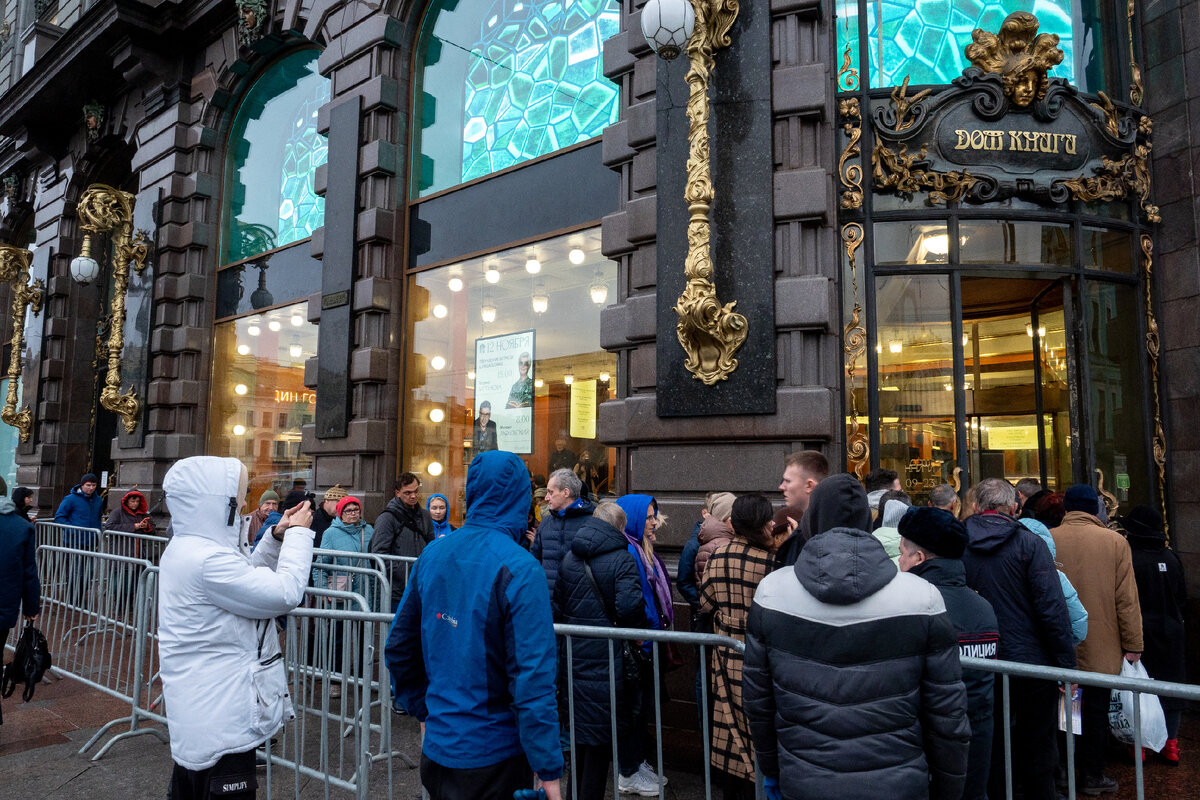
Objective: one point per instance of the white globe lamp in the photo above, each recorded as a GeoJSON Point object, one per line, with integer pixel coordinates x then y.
{"type": "Point", "coordinates": [668, 25]}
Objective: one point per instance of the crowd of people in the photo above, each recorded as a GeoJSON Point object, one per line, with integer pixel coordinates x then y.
{"type": "Point", "coordinates": [853, 602]}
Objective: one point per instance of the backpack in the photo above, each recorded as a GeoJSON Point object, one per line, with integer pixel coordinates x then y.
{"type": "Point", "coordinates": [29, 664]}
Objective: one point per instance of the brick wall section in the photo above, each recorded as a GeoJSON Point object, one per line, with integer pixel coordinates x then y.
{"type": "Point", "coordinates": [1172, 70]}
{"type": "Point", "coordinates": [679, 459]}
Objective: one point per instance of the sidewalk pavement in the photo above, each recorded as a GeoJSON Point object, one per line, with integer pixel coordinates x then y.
{"type": "Point", "coordinates": [40, 741]}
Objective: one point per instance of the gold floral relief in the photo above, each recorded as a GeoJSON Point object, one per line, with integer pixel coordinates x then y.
{"type": "Point", "coordinates": [1152, 350]}
{"type": "Point", "coordinates": [851, 174]}
{"type": "Point", "coordinates": [14, 270]}
{"type": "Point", "coordinates": [858, 447]}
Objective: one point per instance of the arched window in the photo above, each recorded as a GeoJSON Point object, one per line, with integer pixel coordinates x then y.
{"type": "Point", "coordinates": [262, 336]}
{"type": "Point", "coordinates": [504, 83]}
{"type": "Point", "coordinates": [273, 153]}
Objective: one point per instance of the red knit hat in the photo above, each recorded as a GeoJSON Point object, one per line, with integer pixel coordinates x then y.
{"type": "Point", "coordinates": [346, 501]}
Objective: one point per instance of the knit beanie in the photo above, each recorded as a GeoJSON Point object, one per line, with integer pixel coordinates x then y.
{"type": "Point", "coordinates": [936, 530]}
{"type": "Point", "coordinates": [89, 478]}
{"type": "Point", "coordinates": [268, 495]}
{"type": "Point", "coordinates": [335, 492]}
{"type": "Point", "coordinates": [1082, 497]}
{"type": "Point", "coordinates": [348, 500]}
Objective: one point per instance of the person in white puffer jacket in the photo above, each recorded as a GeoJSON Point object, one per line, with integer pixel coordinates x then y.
{"type": "Point", "coordinates": [223, 678]}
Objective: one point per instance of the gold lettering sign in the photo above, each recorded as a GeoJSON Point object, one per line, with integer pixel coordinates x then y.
{"type": "Point", "coordinates": [282, 396]}
{"type": "Point", "coordinates": [1015, 141]}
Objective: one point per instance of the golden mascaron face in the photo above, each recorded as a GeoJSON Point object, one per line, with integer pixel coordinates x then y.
{"type": "Point", "coordinates": [1025, 88]}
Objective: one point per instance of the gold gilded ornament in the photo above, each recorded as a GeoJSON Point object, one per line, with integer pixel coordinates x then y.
{"type": "Point", "coordinates": [858, 448]}
{"type": "Point", "coordinates": [1019, 54]}
{"type": "Point", "coordinates": [14, 269]}
{"type": "Point", "coordinates": [103, 209]}
{"type": "Point", "coordinates": [709, 332]}
{"type": "Point", "coordinates": [851, 174]}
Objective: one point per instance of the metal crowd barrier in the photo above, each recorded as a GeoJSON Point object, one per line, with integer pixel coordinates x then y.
{"type": "Point", "coordinates": [1065, 678]}
{"type": "Point", "coordinates": [99, 616]}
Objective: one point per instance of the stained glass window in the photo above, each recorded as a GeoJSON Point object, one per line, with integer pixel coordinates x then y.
{"type": "Point", "coordinates": [925, 39]}
{"type": "Point", "coordinates": [274, 151]}
{"type": "Point", "coordinates": [506, 83]}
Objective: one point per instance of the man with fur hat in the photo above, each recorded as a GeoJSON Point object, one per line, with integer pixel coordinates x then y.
{"type": "Point", "coordinates": [1098, 563]}
{"type": "Point", "coordinates": [223, 678]}
{"type": "Point", "coordinates": [932, 542]}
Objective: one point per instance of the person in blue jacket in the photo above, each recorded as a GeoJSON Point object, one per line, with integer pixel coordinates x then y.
{"type": "Point", "coordinates": [20, 590]}
{"type": "Point", "coordinates": [81, 509]}
{"type": "Point", "coordinates": [472, 648]}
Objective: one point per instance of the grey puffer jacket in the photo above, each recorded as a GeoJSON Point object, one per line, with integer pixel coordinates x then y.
{"type": "Point", "coordinates": [852, 681]}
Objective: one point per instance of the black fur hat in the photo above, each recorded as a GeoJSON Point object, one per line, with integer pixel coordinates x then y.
{"type": "Point", "coordinates": [936, 530]}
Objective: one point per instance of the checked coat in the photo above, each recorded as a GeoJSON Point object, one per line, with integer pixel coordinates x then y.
{"type": "Point", "coordinates": [733, 573]}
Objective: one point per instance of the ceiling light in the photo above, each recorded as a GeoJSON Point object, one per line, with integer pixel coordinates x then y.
{"type": "Point", "coordinates": [297, 320]}
{"type": "Point", "coordinates": [540, 301]}
{"type": "Point", "coordinates": [949, 387]}
{"type": "Point", "coordinates": [434, 468]}
{"type": "Point", "coordinates": [937, 244]}
{"type": "Point", "coordinates": [599, 289]}
{"type": "Point", "coordinates": [437, 415]}
{"type": "Point", "coordinates": [488, 313]}
{"type": "Point", "coordinates": [437, 362]}
{"type": "Point", "coordinates": [440, 311]}
{"type": "Point", "coordinates": [878, 348]}
{"type": "Point", "coordinates": [239, 430]}
{"type": "Point", "coordinates": [274, 324]}
{"type": "Point", "coordinates": [533, 266]}
{"type": "Point", "coordinates": [295, 351]}
{"type": "Point", "coordinates": [538, 382]}
{"type": "Point", "coordinates": [241, 388]}
{"type": "Point", "coordinates": [253, 330]}
{"type": "Point", "coordinates": [471, 375]}
{"type": "Point", "coordinates": [454, 284]}
{"type": "Point", "coordinates": [895, 346]}
{"type": "Point", "coordinates": [492, 275]}
{"type": "Point", "coordinates": [243, 349]}
{"type": "Point", "coordinates": [576, 256]}
{"type": "Point", "coordinates": [604, 377]}
{"type": "Point", "coordinates": [568, 379]}
{"type": "Point", "coordinates": [966, 340]}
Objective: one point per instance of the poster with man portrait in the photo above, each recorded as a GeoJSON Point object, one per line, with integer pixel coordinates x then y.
{"type": "Point", "coordinates": [504, 390]}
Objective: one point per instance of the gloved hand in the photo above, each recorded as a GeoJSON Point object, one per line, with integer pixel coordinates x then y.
{"type": "Point", "coordinates": [771, 787]}
{"type": "Point", "coordinates": [529, 794]}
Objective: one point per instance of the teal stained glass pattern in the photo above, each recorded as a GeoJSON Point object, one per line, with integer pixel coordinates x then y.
{"type": "Point", "coordinates": [925, 39]}
{"type": "Point", "coordinates": [301, 209]}
{"type": "Point", "coordinates": [535, 82]}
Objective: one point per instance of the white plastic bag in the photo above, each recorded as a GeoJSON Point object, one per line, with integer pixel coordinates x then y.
{"type": "Point", "coordinates": [1120, 712]}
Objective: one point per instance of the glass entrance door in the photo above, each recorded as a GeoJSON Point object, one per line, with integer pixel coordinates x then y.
{"type": "Point", "coordinates": [1017, 356]}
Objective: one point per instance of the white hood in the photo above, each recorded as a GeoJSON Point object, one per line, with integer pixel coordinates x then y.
{"type": "Point", "coordinates": [199, 491]}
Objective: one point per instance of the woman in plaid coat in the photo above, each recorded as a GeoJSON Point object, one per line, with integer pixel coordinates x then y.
{"type": "Point", "coordinates": [730, 578]}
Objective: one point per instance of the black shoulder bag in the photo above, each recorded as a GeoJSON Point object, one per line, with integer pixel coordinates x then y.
{"type": "Point", "coordinates": [632, 658]}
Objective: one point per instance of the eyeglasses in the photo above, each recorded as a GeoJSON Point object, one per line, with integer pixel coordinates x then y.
{"type": "Point", "coordinates": [351, 511]}
{"type": "Point", "coordinates": [523, 363]}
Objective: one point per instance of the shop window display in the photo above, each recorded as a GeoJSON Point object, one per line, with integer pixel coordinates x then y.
{"type": "Point", "coordinates": [506, 355]}
{"type": "Point", "coordinates": [508, 82]}
{"type": "Point", "coordinates": [259, 400]}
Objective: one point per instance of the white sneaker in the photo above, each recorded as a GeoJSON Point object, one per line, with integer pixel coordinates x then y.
{"type": "Point", "coordinates": [645, 769]}
{"type": "Point", "coordinates": [637, 783]}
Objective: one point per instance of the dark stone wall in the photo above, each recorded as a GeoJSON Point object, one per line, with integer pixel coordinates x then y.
{"type": "Point", "coordinates": [679, 458]}
{"type": "Point", "coordinates": [1172, 70]}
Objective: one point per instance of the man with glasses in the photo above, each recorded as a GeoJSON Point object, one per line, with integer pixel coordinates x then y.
{"type": "Point", "coordinates": [521, 393]}
{"type": "Point", "coordinates": [485, 430]}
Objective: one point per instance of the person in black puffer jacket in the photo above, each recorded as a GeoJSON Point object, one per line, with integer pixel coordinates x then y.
{"type": "Point", "coordinates": [600, 544]}
{"type": "Point", "coordinates": [567, 511]}
{"type": "Point", "coordinates": [931, 545]}
{"type": "Point", "coordinates": [852, 683]}
{"type": "Point", "coordinates": [1011, 567]}
{"type": "Point", "coordinates": [403, 529]}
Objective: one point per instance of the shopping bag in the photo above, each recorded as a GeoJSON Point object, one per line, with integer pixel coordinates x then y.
{"type": "Point", "coordinates": [1120, 712]}
{"type": "Point", "coordinates": [1077, 711]}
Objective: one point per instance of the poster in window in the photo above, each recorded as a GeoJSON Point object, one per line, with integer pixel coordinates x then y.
{"type": "Point", "coordinates": [583, 409]}
{"type": "Point", "coordinates": [504, 393]}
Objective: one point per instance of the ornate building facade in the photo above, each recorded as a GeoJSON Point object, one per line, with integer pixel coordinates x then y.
{"type": "Point", "coordinates": [340, 240]}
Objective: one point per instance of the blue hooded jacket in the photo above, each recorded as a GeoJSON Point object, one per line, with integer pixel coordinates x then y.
{"type": "Point", "coordinates": [444, 527]}
{"type": "Point", "coordinates": [634, 506]}
{"type": "Point", "coordinates": [472, 647]}
{"type": "Point", "coordinates": [81, 511]}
